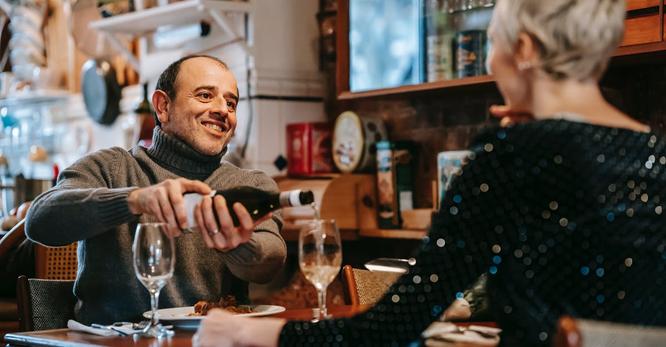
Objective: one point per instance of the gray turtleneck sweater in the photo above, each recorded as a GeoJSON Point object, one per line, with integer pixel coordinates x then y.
{"type": "Point", "coordinates": [89, 205]}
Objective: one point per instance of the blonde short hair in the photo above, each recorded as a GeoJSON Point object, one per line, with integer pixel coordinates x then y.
{"type": "Point", "coordinates": [575, 38]}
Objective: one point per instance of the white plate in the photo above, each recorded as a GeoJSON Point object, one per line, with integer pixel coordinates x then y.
{"type": "Point", "coordinates": [179, 316]}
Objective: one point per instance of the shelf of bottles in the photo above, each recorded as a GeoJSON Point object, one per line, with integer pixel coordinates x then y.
{"type": "Point", "coordinates": [456, 43]}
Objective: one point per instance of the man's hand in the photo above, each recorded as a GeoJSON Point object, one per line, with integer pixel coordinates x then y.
{"type": "Point", "coordinates": [220, 233]}
{"type": "Point", "coordinates": [509, 116]}
{"type": "Point", "coordinates": [164, 201]}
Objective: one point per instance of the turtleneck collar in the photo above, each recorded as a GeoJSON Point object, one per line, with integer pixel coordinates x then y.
{"type": "Point", "coordinates": [178, 157]}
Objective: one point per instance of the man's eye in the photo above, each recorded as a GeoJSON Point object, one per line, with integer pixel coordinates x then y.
{"type": "Point", "coordinates": [205, 95]}
{"type": "Point", "coordinates": [231, 105]}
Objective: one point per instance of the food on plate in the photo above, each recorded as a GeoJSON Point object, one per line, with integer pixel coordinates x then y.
{"type": "Point", "coordinates": [227, 302]}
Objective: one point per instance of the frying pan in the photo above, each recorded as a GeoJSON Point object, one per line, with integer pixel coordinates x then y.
{"type": "Point", "coordinates": [99, 86]}
{"type": "Point", "coordinates": [101, 91]}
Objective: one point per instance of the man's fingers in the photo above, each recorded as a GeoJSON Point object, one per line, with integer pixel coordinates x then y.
{"type": "Point", "coordinates": [167, 209]}
{"type": "Point", "coordinates": [198, 217]}
{"type": "Point", "coordinates": [191, 186]}
{"type": "Point", "coordinates": [224, 219]}
{"type": "Point", "coordinates": [208, 217]}
{"type": "Point", "coordinates": [176, 198]}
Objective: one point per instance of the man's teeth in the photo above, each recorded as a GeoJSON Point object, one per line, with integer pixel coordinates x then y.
{"type": "Point", "coordinates": [213, 126]}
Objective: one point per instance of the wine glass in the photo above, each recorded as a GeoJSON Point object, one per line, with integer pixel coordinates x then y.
{"type": "Point", "coordinates": [154, 260]}
{"type": "Point", "coordinates": [320, 257]}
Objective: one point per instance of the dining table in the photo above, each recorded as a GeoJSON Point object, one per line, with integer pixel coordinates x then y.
{"type": "Point", "coordinates": [181, 338]}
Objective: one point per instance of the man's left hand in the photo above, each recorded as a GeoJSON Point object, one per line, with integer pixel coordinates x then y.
{"type": "Point", "coordinates": [220, 233]}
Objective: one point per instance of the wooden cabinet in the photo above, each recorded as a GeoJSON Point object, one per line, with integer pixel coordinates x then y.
{"type": "Point", "coordinates": [644, 36]}
{"type": "Point", "coordinates": [644, 23]}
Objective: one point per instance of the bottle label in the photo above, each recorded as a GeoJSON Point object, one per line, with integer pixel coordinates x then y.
{"type": "Point", "coordinates": [290, 198]}
{"type": "Point", "coordinates": [190, 200]}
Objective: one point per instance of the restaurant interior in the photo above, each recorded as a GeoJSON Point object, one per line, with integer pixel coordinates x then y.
{"type": "Point", "coordinates": [369, 104]}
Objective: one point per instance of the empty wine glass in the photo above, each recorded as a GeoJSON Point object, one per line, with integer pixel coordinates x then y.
{"type": "Point", "coordinates": [320, 257]}
{"type": "Point", "coordinates": [154, 260]}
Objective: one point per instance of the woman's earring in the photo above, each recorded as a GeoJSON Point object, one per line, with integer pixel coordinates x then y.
{"type": "Point", "coordinates": [525, 65]}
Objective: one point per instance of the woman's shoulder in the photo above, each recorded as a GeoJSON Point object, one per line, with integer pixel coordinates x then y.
{"type": "Point", "coordinates": [559, 134]}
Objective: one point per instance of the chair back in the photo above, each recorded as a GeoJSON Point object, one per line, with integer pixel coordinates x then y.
{"type": "Point", "coordinates": [56, 263]}
{"type": "Point", "coordinates": [590, 333]}
{"type": "Point", "coordinates": [44, 304]}
{"type": "Point", "coordinates": [363, 287]}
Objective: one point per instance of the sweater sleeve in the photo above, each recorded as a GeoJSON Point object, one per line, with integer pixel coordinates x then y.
{"type": "Point", "coordinates": [462, 244]}
{"type": "Point", "coordinates": [259, 259]}
{"type": "Point", "coordinates": [83, 204]}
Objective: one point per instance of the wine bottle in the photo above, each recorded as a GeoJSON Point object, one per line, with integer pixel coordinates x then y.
{"type": "Point", "coordinates": [256, 201]}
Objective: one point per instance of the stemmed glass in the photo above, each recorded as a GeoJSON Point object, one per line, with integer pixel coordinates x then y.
{"type": "Point", "coordinates": [154, 260]}
{"type": "Point", "coordinates": [320, 257]}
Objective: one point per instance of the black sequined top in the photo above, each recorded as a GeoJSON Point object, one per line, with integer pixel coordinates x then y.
{"type": "Point", "coordinates": [565, 217]}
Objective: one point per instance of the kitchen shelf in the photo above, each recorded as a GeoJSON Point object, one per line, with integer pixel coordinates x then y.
{"type": "Point", "coordinates": [178, 13]}
{"type": "Point", "coordinates": [144, 22]}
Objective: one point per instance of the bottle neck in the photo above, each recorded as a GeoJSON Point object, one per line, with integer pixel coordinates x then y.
{"type": "Point", "coordinates": [290, 198]}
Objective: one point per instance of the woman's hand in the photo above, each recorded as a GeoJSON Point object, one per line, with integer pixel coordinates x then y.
{"type": "Point", "coordinates": [223, 329]}
{"type": "Point", "coordinates": [509, 116]}
{"type": "Point", "coordinates": [220, 233]}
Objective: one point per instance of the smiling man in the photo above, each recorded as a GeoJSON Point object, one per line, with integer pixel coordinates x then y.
{"type": "Point", "coordinates": [99, 200]}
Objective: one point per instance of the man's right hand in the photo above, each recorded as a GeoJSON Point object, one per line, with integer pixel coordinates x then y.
{"type": "Point", "coordinates": [164, 201]}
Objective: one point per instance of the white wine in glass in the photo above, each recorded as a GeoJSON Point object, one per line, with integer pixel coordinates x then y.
{"type": "Point", "coordinates": [320, 257]}
{"type": "Point", "coordinates": [154, 260]}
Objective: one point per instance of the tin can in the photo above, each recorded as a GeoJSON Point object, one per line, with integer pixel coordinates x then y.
{"type": "Point", "coordinates": [470, 53]}
{"type": "Point", "coordinates": [354, 139]}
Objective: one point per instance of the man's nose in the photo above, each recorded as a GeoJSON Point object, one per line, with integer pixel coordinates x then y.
{"type": "Point", "coordinates": [220, 106]}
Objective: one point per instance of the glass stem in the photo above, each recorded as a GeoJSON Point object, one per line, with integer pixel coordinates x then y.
{"type": "Point", "coordinates": [321, 298]}
{"type": "Point", "coordinates": [154, 299]}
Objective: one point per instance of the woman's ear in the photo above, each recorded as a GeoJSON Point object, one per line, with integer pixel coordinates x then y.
{"type": "Point", "coordinates": [526, 53]}
{"type": "Point", "coordinates": [161, 104]}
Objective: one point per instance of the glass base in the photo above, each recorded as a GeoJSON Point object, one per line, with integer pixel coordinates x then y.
{"type": "Point", "coordinates": [156, 331]}
{"type": "Point", "coordinates": [316, 317]}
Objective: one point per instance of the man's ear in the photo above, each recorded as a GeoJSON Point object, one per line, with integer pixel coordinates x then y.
{"type": "Point", "coordinates": [161, 103]}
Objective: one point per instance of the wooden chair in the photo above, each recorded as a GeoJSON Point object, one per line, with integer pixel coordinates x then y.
{"type": "Point", "coordinates": [363, 287]}
{"type": "Point", "coordinates": [44, 304]}
{"type": "Point", "coordinates": [590, 333]}
{"type": "Point", "coordinates": [52, 265]}
{"type": "Point", "coordinates": [55, 263]}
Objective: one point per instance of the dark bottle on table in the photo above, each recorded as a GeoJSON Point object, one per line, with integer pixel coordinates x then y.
{"type": "Point", "coordinates": [256, 201]}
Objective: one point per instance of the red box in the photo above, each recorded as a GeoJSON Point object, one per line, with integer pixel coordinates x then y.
{"type": "Point", "coordinates": [309, 149]}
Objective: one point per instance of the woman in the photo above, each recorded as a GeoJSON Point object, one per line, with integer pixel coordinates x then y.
{"type": "Point", "coordinates": [563, 213]}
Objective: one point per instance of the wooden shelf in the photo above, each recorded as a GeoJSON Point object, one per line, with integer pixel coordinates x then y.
{"type": "Point", "coordinates": [178, 13]}
{"type": "Point", "coordinates": [632, 51]}
{"type": "Point", "coordinates": [645, 27]}
{"type": "Point", "coordinates": [419, 88]}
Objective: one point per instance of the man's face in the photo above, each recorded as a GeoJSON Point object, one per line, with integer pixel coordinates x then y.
{"type": "Point", "coordinates": [203, 112]}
